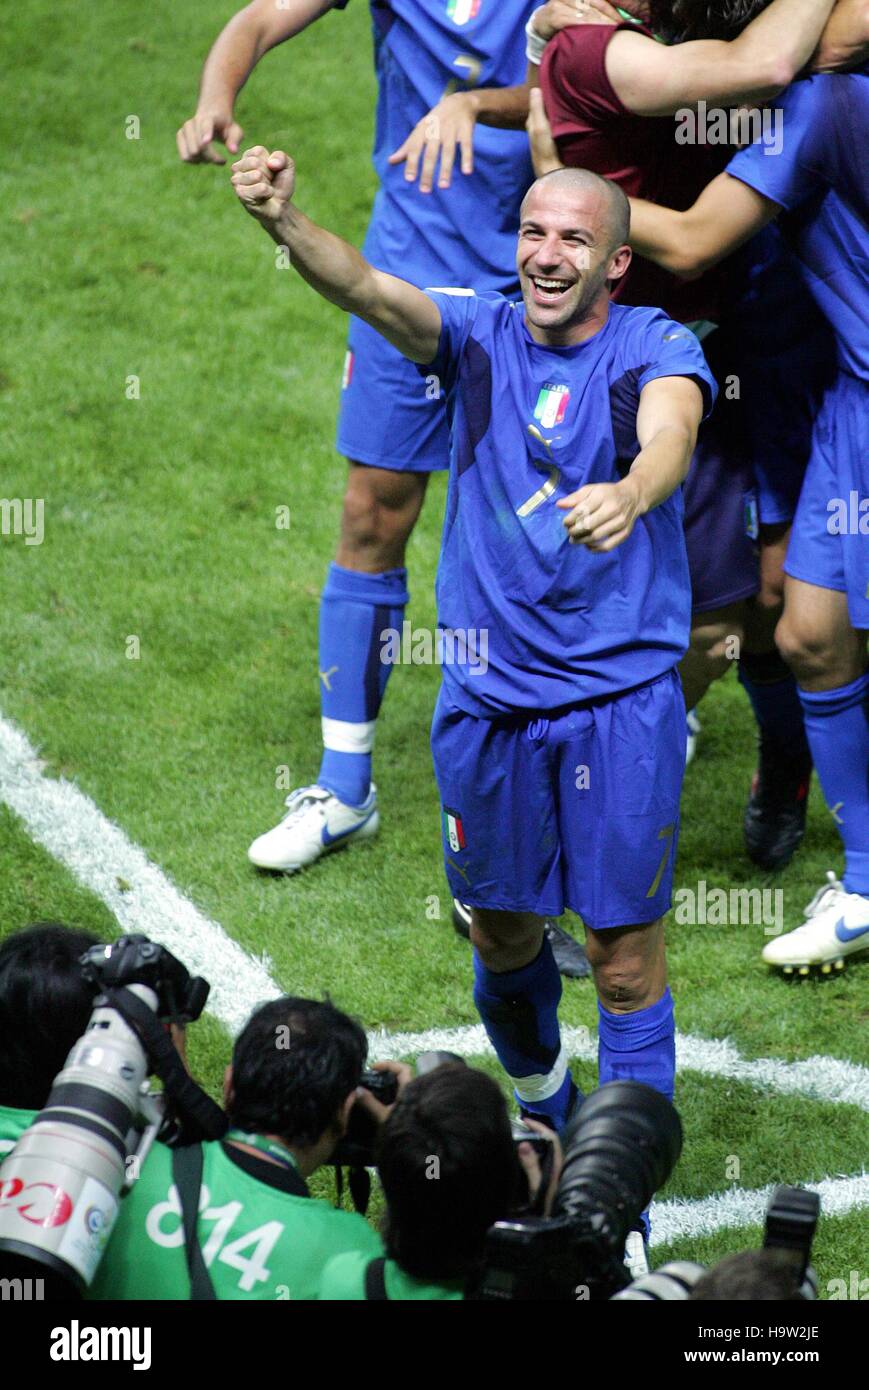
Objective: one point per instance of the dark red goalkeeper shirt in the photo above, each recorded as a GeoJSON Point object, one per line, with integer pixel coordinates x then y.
{"type": "Point", "coordinates": [594, 130]}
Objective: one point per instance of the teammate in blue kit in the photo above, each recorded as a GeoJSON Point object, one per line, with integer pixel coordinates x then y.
{"type": "Point", "coordinates": [559, 759]}
{"type": "Point", "coordinates": [821, 182]}
{"type": "Point", "coordinates": [442, 63]}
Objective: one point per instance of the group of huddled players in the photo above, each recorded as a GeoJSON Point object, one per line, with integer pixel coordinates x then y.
{"type": "Point", "coordinates": [656, 459]}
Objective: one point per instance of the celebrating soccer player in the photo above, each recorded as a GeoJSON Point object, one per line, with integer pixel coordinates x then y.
{"type": "Point", "coordinates": [820, 179]}
{"type": "Point", "coordinates": [560, 764]}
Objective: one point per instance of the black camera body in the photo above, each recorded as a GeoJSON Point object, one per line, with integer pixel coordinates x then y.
{"type": "Point", "coordinates": [356, 1149]}
{"type": "Point", "coordinates": [135, 960]}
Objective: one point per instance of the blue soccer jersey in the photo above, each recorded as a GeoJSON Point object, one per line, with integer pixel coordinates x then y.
{"type": "Point", "coordinates": [466, 234]}
{"type": "Point", "coordinates": [541, 623]}
{"type": "Point", "coordinates": [821, 177]}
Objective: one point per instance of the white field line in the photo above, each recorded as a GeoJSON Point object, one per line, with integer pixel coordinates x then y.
{"type": "Point", "coordinates": [821, 1078]}
{"type": "Point", "coordinates": [68, 824]}
{"type": "Point", "coordinates": [677, 1219]}
{"type": "Point", "coordinates": [98, 853]}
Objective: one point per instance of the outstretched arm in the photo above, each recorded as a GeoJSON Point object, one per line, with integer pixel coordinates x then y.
{"type": "Point", "coordinates": [265, 184]}
{"type": "Point", "coordinates": [235, 53]}
{"type": "Point", "coordinates": [655, 80]}
{"type": "Point", "coordinates": [602, 515]}
{"type": "Point", "coordinates": [727, 213]}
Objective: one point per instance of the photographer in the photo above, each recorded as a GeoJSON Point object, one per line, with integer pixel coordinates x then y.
{"type": "Point", "coordinates": [295, 1071]}
{"type": "Point", "coordinates": [448, 1168]}
{"type": "Point", "coordinates": [753, 1276]}
{"type": "Point", "coordinates": [45, 1004]}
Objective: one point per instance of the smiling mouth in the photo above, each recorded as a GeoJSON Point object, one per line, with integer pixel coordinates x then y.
{"type": "Point", "coordinates": [548, 289]}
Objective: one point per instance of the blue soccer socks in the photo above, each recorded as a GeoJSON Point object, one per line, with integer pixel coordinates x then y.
{"type": "Point", "coordinates": [640, 1046]}
{"type": "Point", "coordinates": [519, 1010]}
{"type": "Point", "coordinates": [837, 725]}
{"type": "Point", "coordinates": [356, 611]}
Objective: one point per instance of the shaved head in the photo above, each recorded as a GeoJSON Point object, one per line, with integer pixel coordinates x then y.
{"type": "Point", "coordinates": [572, 248]}
{"type": "Point", "coordinates": [617, 209]}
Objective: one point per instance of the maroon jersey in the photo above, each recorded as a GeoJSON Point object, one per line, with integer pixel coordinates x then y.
{"type": "Point", "coordinates": [594, 130]}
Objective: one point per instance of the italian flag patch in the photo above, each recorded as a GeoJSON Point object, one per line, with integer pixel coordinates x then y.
{"type": "Point", "coordinates": [551, 405]}
{"type": "Point", "coordinates": [460, 11]}
{"type": "Point", "coordinates": [453, 830]}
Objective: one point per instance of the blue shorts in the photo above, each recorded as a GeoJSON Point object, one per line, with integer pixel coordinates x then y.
{"type": "Point", "coordinates": [390, 415]}
{"type": "Point", "coordinates": [829, 544]}
{"type": "Point", "coordinates": [782, 395]}
{"type": "Point", "coordinates": [720, 498]}
{"type": "Point", "coordinates": [576, 808]}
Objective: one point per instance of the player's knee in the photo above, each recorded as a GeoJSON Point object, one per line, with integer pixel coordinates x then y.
{"type": "Point", "coordinates": [806, 650]}
{"type": "Point", "coordinates": [494, 934]}
{"type": "Point", "coordinates": [622, 985]}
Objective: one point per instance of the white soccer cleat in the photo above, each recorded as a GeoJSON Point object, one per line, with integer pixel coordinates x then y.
{"type": "Point", "coordinates": [316, 822]}
{"type": "Point", "coordinates": [691, 739]}
{"type": "Point", "coordinates": [836, 926]}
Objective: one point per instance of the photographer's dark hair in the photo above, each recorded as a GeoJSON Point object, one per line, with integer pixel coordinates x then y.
{"type": "Point", "coordinates": [753, 1275]}
{"type": "Point", "coordinates": [678, 21]}
{"type": "Point", "coordinates": [294, 1063]}
{"type": "Point", "coordinates": [45, 1005]}
{"type": "Point", "coordinates": [448, 1167]}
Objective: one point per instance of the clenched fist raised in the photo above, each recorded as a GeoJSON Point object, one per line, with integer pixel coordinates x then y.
{"type": "Point", "coordinates": [264, 182]}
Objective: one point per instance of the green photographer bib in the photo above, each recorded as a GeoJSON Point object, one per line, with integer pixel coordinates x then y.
{"type": "Point", "coordinates": [258, 1242]}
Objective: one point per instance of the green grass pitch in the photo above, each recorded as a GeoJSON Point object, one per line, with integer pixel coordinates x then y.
{"type": "Point", "coordinates": [160, 524]}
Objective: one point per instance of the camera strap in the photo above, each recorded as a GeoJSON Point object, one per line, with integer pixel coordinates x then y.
{"type": "Point", "coordinates": [187, 1173]}
{"type": "Point", "coordinates": [199, 1116]}
{"type": "Point", "coordinates": [375, 1281]}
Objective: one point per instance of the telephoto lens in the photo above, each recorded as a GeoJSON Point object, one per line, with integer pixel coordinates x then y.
{"type": "Point", "coordinates": [669, 1284]}
{"type": "Point", "coordinates": [61, 1183]}
{"type": "Point", "coordinates": [620, 1146]}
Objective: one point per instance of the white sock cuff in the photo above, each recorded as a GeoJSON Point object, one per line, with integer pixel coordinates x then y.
{"type": "Point", "coordinates": [341, 736]}
{"type": "Point", "coordinates": [533, 1088]}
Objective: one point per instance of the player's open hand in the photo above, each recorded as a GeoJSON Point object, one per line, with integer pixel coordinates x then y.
{"type": "Point", "coordinates": [544, 152]}
{"type": "Point", "coordinates": [195, 138]}
{"type": "Point", "coordinates": [264, 182]}
{"type": "Point", "coordinates": [556, 15]}
{"type": "Point", "coordinates": [602, 515]}
{"type": "Point", "coordinates": [448, 128]}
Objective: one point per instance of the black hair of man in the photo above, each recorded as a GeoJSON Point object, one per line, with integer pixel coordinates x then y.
{"type": "Point", "coordinates": [294, 1064]}
{"type": "Point", "coordinates": [678, 21]}
{"type": "Point", "coordinates": [583, 181]}
{"type": "Point", "coordinates": [45, 1005]}
{"type": "Point", "coordinates": [753, 1275]}
{"type": "Point", "coordinates": [448, 1168]}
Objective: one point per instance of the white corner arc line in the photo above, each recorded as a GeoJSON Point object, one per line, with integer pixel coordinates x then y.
{"type": "Point", "coordinates": [64, 821]}
{"type": "Point", "coordinates": [678, 1218]}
